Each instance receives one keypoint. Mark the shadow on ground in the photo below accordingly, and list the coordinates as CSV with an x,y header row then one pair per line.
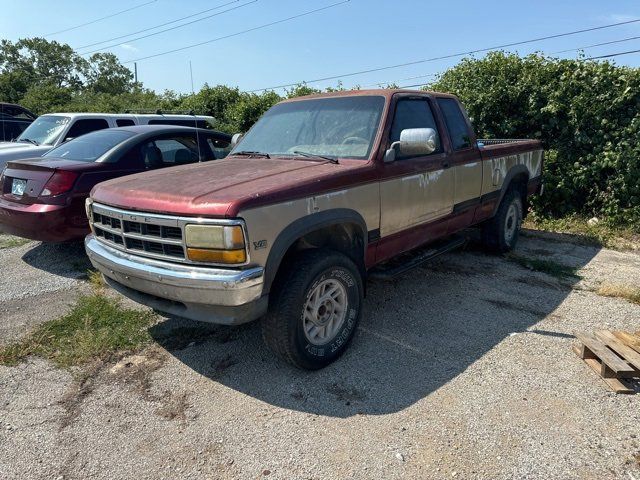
x,y
64,259
416,334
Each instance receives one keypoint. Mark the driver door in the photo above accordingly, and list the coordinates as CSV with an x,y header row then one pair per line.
x,y
415,190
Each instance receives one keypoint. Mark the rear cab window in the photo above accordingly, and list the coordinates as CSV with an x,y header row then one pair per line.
x,y
456,123
125,122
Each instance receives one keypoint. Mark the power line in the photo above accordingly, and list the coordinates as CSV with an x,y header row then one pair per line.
x,y
613,55
242,32
172,28
552,53
157,26
100,19
589,58
444,57
596,45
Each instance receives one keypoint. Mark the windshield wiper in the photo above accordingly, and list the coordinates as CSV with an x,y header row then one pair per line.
x,y
247,153
33,142
315,155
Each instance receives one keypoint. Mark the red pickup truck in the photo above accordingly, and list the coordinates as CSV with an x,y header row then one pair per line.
x,y
321,193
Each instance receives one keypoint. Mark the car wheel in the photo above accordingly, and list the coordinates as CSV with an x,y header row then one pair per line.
x,y
314,309
500,234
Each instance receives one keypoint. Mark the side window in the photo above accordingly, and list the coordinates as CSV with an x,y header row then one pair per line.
x,y
167,152
456,123
413,113
124,122
219,147
80,127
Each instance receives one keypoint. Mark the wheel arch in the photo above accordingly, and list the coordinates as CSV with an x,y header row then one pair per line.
x,y
342,229
518,175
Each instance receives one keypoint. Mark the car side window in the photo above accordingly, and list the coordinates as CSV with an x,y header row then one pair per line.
x,y
80,127
124,122
219,147
167,152
413,113
456,123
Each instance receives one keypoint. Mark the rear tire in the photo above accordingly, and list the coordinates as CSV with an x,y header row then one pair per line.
x,y
500,234
314,309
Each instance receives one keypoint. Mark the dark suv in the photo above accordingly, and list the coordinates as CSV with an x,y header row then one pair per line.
x,y
13,120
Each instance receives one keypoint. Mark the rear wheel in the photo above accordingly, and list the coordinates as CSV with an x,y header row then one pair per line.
x,y
500,234
314,309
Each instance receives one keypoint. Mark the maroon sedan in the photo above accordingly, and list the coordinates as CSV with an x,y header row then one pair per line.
x,y
43,198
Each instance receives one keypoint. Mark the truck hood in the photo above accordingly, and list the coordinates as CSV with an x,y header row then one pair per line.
x,y
223,187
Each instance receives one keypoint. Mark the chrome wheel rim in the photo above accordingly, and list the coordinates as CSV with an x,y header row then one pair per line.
x,y
511,223
324,312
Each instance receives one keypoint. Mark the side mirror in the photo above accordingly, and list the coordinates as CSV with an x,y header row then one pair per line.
x,y
236,139
413,142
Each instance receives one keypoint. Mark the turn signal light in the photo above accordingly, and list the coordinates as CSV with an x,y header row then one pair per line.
x,y
216,256
60,182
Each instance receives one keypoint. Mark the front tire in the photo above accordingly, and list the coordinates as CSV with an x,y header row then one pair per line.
x,y
314,309
500,234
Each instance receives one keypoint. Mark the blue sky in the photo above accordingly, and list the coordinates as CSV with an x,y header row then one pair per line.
x,y
357,35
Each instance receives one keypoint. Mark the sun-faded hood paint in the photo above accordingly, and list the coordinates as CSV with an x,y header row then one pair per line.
x,y
224,187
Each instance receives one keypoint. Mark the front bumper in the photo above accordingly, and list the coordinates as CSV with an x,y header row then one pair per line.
x,y
215,295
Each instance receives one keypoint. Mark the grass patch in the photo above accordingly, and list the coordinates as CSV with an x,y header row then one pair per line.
x,y
97,327
96,279
632,294
9,241
601,234
549,267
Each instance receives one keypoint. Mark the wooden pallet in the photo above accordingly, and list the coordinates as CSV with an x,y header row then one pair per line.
x,y
615,356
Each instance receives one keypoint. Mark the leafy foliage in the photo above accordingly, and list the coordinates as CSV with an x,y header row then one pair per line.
x,y
586,113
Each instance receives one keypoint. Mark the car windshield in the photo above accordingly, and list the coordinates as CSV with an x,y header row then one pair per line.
x,y
90,147
44,130
338,127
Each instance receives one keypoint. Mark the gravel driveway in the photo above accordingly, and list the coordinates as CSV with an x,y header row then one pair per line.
x,y
461,369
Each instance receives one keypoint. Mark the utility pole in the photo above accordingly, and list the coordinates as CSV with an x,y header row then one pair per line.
x,y
135,71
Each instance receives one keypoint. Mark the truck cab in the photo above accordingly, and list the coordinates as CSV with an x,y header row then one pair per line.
x,y
321,193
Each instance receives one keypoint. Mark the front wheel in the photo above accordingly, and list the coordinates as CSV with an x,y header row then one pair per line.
x,y
500,234
314,309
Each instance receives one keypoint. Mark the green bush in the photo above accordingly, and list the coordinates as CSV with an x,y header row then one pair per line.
x,y
586,113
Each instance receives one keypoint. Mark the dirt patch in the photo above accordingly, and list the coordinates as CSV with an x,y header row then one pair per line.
x,y
346,393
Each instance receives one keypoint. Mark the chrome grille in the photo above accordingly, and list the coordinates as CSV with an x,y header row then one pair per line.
x,y
149,234
155,236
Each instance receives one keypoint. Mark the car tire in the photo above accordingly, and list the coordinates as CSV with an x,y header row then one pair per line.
x,y
314,309
500,234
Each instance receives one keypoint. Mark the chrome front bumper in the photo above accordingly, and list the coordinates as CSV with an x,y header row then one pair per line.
x,y
214,295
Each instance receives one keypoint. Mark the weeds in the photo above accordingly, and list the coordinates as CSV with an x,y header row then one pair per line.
x,y
8,241
97,327
632,294
549,267
600,234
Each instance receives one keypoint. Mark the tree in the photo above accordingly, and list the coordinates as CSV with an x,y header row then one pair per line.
x,y
105,74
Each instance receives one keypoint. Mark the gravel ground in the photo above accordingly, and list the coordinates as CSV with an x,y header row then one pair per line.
x,y
462,369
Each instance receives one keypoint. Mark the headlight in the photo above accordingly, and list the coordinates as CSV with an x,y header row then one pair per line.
x,y
215,243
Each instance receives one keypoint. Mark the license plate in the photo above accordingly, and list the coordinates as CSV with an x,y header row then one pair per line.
x,y
18,186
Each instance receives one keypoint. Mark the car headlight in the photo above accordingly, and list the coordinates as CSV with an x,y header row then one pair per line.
x,y
215,243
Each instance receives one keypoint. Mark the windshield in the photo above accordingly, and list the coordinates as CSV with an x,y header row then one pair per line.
x,y
44,130
343,127
90,147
